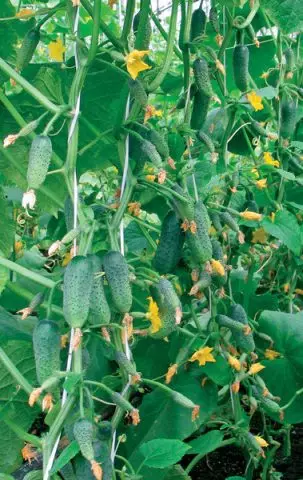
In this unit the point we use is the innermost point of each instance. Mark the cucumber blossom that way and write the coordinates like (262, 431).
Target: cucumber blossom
(198, 24)
(99, 311)
(199, 242)
(77, 287)
(117, 274)
(199, 112)
(170, 245)
(201, 74)
(138, 92)
(39, 160)
(46, 342)
(84, 434)
(240, 67)
(27, 49)
(288, 110)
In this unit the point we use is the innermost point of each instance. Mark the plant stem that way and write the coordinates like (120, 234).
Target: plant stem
(22, 292)
(36, 277)
(239, 24)
(164, 34)
(22, 434)
(95, 33)
(199, 457)
(128, 21)
(13, 370)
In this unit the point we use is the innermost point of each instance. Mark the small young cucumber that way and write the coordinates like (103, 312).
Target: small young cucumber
(27, 49)
(217, 250)
(214, 19)
(138, 92)
(244, 342)
(204, 138)
(290, 62)
(155, 137)
(169, 307)
(46, 342)
(143, 32)
(185, 210)
(117, 274)
(77, 287)
(199, 112)
(198, 25)
(201, 74)
(216, 221)
(240, 67)
(39, 160)
(151, 152)
(199, 242)
(228, 220)
(84, 434)
(170, 245)
(288, 111)
(99, 311)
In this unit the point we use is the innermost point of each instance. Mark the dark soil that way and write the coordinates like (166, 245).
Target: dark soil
(229, 461)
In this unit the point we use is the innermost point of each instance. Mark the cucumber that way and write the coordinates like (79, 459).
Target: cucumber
(46, 343)
(199, 243)
(143, 32)
(125, 364)
(138, 92)
(288, 110)
(27, 49)
(258, 129)
(186, 209)
(214, 19)
(117, 274)
(198, 25)
(199, 112)
(182, 99)
(240, 67)
(99, 311)
(290, 61)
(84, 434)
(217, 250)
(102, 456)
(170, 245)
(216, 221)
(244, 342)
(168, 303)
(228, 220)
(77, 287)
(201, 74)
(39, 160)
(204, 138)
(252, 206)
(149, 150)
(154, 137)
(34, 475)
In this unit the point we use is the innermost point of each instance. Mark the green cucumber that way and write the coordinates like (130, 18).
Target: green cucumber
(155, 137)
(258, 129)
(228, 220)
(290, 61)
(138, 92)
(170, 245)
(199, 243)
(186, 209)
(216, 221)
(288, 110)
(240, 67)
(39, 160)
(199, 112)
(217, 250)
(168, 302)
(99, 311)
(117, 274)
(252, 206)
(125, 364)
(77, 287)
(182, 99)
(34, 475)
(204, 138)
(198, 25)
(84, 434)
(201, 74)
(214, 19)
(46, 343)
(244, 342)
(142, 32)
(27, 49)
(149, 150)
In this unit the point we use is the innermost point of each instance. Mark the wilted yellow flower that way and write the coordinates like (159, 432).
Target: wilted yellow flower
(255, 101)
(271, 354)
(135, 416)
(203, 355)
(10, 140)
(234, 363)
(171, 372)
(29, 199)
(264, 75)
(25, 312)
(151, 111)
(64, 340)
(220, 67)
(29, 453)
(260, 184)
(150, 178)
(299, 291)
(96, 470)
(56, 50)
(255, 368)
(268, 159)
(263, 443)
(47, 403)
(255, 172)
(135, 64)
(153, 315)
(247, 215)
(66, 259)
(259, 236)
(134, 208)
(217, 267)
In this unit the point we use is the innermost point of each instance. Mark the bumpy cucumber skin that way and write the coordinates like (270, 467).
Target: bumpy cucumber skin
(199, 112)
(201, 74)
(216, 221)
(289, 59)
(198, 24)
(204, 138)
(258, 129)
(244, 342)
(228, 220)
(217, 249)
(151, 153)
(137, 92)
(186, 209)
(144, 43)
(117, 274)
(77, 287)
(46, 342)
(214, 19)
(170, 245)
(84, 433)
(99, 311)
(199, 243)
(288, 111)
(160, 143)
(240, 67)
(27, 49)
(168, 301)
(39, 160)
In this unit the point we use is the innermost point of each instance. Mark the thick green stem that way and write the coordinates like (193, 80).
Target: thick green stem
(128, 21)
(199, 457)
(27, 437)
(239, 24)
(169, 50)
(95, 33)
(27, 295)
(13, 370)
(164, 34)
(36, 277)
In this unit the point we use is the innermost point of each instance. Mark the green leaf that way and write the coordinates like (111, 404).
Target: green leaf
(285, 174)
(206, 443)
(162, 452)
(286, 228)
(13, 328)
(298, 145)
(176, 472)
(68, 453)
(267, 92)
(287, 15)
(7, 227)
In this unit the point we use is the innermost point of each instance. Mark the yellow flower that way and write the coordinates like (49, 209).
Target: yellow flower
(150, 178)
(271, 354)
(272, 216)
(259, 236)
(217, 267)
(260, 184)
(255, 101)
(263, 443)
(247, 215)
(299, 291)
(56, 50)
(67, 258)
(25, 12)
(268, 159)
(151, 111)
(171, 372)
(234, 363)
(203, 355)
(265, 75)
(153, 315)
(255, 368)
(134, 63)
(255, 172)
